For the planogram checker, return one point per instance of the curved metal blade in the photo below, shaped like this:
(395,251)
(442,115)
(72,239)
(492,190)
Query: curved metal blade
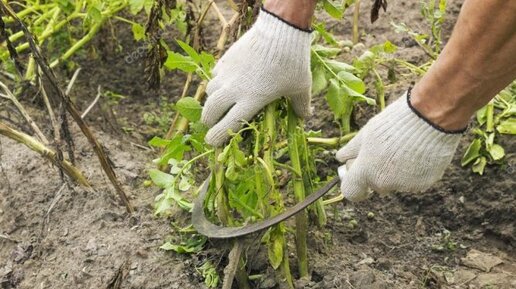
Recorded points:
(205,227)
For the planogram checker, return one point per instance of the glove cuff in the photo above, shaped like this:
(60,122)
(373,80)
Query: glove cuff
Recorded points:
(417,133)
(282,35)
(421,116)
(265,11)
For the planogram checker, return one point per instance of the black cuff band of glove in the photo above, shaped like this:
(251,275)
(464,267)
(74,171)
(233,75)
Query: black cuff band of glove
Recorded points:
(307,30)
(421,116)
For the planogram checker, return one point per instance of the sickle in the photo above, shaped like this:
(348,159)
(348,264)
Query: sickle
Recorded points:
(207,228)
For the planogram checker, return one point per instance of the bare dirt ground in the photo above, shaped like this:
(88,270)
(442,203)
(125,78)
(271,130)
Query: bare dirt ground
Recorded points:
(459,234)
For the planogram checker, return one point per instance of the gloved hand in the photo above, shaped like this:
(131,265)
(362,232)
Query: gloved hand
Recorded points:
(271,60)
(397,150)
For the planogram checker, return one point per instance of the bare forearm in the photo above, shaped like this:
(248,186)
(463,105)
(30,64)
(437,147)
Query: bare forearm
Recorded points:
(297,12)
(478,61)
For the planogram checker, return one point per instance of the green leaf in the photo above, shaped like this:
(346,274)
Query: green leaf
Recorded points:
(507,126)
(207,61)
(337,66)
(175,149)
(472,153)
(138,31)
(337,98)
(66,6)
(181,62)
(497,152)
(319,81)
(136,6)
(94,15)
(479,165)
(332,9)
(158,142)
(190,51)
(160,178)
(148,6)
(325,51)
(352,81)
(328,37)
(388,47)
(482,115)
(189,108)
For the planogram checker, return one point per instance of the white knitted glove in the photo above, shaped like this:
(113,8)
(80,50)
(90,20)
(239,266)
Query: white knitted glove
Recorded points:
(271,60)
(397,150)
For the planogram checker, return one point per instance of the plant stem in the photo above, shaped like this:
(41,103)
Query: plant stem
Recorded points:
(490,117)
(345,118)
(9,95)
(380,89)
(45,152)
(71,108)
(220,197)
(79,44)
(308,177)
(356,15)
(271,113)
(336,141)
(299,192)
(331,142)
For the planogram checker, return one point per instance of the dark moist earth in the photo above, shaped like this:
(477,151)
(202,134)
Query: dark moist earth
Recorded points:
(459,234)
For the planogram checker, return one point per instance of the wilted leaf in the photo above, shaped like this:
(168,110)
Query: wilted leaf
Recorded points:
(375,10)
(276,249)
(507,126)
(481,115)
(472,153)
(160,178)
(479,165)
(489,140)
(192,245)
(497,152)
(162,204)
(184,184)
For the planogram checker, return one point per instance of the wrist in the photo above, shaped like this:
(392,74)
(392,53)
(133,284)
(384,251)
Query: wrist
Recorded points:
(443,110)
(299,13)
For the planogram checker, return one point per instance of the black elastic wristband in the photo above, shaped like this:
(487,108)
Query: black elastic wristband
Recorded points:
(421,116)
(286,22)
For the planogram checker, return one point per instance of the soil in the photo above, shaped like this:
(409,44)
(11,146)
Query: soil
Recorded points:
(459,234)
